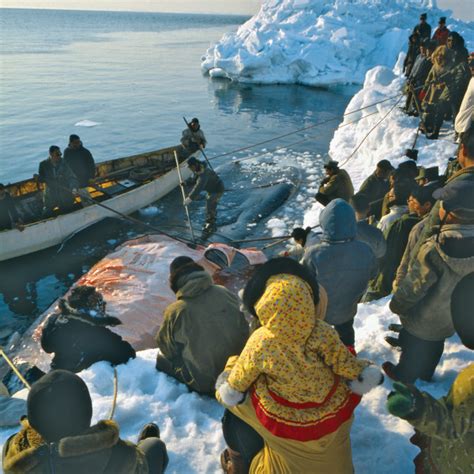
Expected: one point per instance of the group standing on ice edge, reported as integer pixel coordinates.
(282, 357)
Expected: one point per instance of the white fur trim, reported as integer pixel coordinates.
(229, 396)
(369, 378)
(222, 379)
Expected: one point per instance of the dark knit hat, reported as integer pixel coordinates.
(423, 16)
(193, 162)
(180, 272)
(385, 165)
(73, 138)
(195, 120)
(332, 165)
(442, 19)
(59, 405)
(178, 262)
(410, 168)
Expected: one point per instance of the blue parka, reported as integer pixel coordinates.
(342, 265)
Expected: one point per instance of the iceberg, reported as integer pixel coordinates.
(320, 43)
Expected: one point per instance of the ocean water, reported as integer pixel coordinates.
(135, 75)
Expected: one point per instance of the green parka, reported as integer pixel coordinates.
(447, 426)
(201, 330)
(339, 185)
(97, 450)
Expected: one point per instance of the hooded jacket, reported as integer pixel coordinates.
(342, 265)
(423, 298)
(82, 163)
(339, 185)
(447, 427)
(97, 450)
(201, 330)
(294, 365)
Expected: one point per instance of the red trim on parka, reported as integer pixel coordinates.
(306, 431)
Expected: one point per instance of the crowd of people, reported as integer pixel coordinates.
(283, 359)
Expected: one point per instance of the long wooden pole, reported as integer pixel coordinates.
(12, 365)
(184, 197)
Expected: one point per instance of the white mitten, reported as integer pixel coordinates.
(368, 379)
(229, 396)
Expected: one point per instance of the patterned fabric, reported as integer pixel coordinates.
(295, 365)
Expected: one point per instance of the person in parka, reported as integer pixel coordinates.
(302, 384)
(192, 139)
(444, 428)
(200, 330)
(336, 184)
(422, 300)
(376, 185)
(208, 181)
(78, 335)
(60, 182)
(342, 265)
(57, 436)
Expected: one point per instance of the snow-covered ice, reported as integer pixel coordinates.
(320, 43)
(86, 123)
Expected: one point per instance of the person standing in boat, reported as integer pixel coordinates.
(82, 163)
(61, 182)
(207, 181)
(9, 217)
(192, 139)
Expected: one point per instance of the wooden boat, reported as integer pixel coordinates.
(124, 184)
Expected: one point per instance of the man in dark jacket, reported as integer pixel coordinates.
(9, 217)
(192, 139)
(342, 265)
(422, 299)
(78, 335)
(423, 29)
(57, 436)
(376, 185)
(209, 182)
(201, 330)
(60, 182)
(82, 163)
(336, 184)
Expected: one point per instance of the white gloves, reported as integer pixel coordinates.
(188, 201)
(368, 379)
(228, 395)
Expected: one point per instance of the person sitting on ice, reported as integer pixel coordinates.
(292, 376)
(209, 182)
(367, 232)
(200, 330)
(440, 36)
(192, 139)
(422, 300)
(342, 264)
(444, 428)
(376, 185)
(78, 336)
(336, 184)
(57, 436)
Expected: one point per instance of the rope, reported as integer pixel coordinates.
(114, 400)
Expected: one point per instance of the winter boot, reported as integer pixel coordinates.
(232, 462)
(150, 430)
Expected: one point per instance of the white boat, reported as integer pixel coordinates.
(125, 185)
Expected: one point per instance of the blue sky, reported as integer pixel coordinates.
(461, 8)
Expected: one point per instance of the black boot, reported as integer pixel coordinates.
(150, 430)
(232, 462)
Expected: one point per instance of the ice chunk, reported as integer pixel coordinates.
(86, 123)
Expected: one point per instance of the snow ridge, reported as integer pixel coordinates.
(319, 43)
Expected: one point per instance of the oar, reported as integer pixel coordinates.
(12, 365)
(184, 196)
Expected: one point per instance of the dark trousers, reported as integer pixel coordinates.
(155, 453)
(419, 358)
(241, 437)
(322, 199)
(346, 332)
(211, 207)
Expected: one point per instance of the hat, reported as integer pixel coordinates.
(178, 262)
(183, 269)
(195, 120)
(431, 174)
(411, 153)
(385, 165)
(73, 138)
(423, 16)
(457, 197)
(442, 19)
(193, 161)
(332, 165)
(59, 405)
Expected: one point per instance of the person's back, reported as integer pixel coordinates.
(371, 236)
(343, 265)
(201, 329)
(80, 160)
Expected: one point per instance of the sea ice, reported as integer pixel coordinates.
(86, 123)
(320, 43)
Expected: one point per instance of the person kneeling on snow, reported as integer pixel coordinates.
(57, 436)
(292, 391)
(200, 330)
(78, 335)
(444, 427)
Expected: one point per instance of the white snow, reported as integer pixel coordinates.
(86, 123)
(320, 43)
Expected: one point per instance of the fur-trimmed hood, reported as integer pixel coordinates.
(95, 450)
(93, 318)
